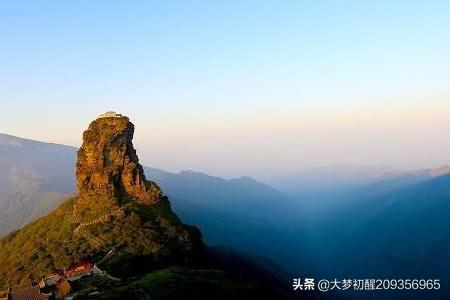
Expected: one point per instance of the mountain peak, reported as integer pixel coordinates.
(107, 161)
(117, 211)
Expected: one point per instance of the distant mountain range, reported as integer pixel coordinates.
(407, 230)
(318, 189)
(390, 232)
(34, 178)
(325, 221)
(240, 213)
(241, 196)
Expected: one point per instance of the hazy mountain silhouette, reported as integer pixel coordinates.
(327, 188)
(34, 178)
(399, 230)
(317, 188)
(241, 196)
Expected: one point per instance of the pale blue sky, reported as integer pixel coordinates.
(235, 87)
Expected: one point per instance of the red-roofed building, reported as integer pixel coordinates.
(26, 292)
(78, 271)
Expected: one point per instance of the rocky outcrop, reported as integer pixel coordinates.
(117, 211)
(107, 162)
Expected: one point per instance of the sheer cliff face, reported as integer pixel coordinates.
(107, 162)
(117, 211)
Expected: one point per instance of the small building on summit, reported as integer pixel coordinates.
(110, 114)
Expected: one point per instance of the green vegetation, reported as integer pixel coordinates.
(175, 283)
(40, 247)
(153, 253)
(143, 237)
(35, 178)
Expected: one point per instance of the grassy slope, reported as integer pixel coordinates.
(177, 283)
(148, 235)
(164, 272)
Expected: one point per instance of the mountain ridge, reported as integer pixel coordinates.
(125, 225)
(55, 181)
